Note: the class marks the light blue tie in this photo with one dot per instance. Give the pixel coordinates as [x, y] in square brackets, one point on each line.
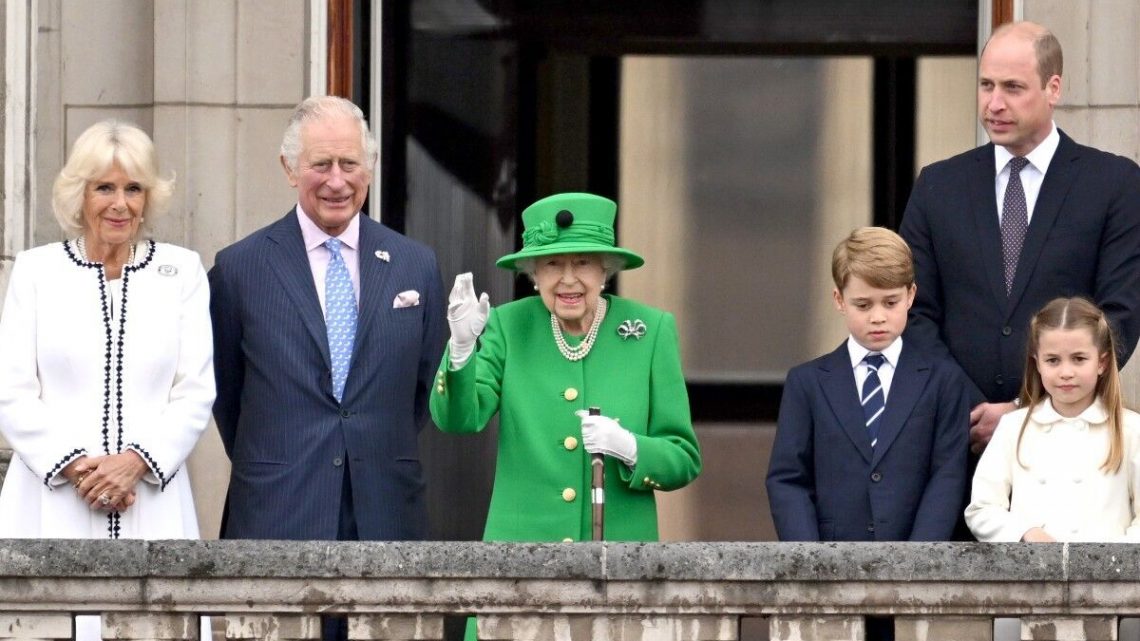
[340, 316]
[872, 397]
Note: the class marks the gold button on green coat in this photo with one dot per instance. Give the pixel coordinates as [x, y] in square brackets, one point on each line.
[519, 374]
[570, 443]
[570, 394]
[569, 494]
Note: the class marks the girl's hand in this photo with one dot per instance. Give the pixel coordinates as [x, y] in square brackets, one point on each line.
[1037, 535]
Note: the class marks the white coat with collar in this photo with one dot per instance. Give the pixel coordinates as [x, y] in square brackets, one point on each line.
[91, 367]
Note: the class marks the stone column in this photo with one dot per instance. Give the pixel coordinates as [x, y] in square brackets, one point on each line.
[607, 628]
[151, 626]
[35, 626]
[935, 628]
[272, 627]
[816, 628]
[1096, 628]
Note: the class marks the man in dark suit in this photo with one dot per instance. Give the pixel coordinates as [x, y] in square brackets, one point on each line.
[990, 250]
[328, 328]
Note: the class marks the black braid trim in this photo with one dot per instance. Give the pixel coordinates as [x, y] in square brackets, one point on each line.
[63, 462]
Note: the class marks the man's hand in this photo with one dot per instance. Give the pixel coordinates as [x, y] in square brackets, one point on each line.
[983, 421]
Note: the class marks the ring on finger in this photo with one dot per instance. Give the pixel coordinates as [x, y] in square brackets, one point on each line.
[104, 499]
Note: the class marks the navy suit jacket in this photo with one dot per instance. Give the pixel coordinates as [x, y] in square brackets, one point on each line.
[286, 435]
[1083, 240]
[825, 483]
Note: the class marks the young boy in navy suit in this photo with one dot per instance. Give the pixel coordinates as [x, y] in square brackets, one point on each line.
[871, 443]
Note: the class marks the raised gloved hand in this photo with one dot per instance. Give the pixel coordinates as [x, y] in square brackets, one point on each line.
[467, 317]
[603, 435]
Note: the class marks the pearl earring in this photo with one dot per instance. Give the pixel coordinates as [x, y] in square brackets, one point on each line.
[535, 287]
[603, 287]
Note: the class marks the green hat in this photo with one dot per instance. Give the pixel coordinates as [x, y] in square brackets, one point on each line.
[570, 224]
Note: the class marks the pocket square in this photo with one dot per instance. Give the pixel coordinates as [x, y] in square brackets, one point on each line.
[410, 298]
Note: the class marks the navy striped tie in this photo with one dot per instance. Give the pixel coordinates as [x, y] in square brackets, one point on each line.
[872, 397]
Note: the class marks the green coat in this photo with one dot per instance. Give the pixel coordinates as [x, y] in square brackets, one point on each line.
[542, 476]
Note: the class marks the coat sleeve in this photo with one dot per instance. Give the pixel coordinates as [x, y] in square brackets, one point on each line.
[791, 469]
[946, 487]
[924, 325]
[988, 514]
[465, 399]
[166, 440]
[229, 365]
[668, 456]
[1118, 266]
[432, 344]
[36, 432]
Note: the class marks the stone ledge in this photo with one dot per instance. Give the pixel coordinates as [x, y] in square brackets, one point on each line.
[721, 562]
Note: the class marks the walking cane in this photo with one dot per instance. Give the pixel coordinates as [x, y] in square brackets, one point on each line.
[597, 488]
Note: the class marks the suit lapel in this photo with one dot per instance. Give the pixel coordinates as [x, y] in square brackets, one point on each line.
[837, 378]
[374, 274]
[288, 260]
[983, 204]
[1059, 179]
[906, 387]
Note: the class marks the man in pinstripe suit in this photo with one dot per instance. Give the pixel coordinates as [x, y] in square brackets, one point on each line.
[321, 447]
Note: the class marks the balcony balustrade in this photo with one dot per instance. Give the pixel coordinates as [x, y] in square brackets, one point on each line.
[277, 590]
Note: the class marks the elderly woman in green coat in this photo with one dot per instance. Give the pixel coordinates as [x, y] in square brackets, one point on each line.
[542, 361]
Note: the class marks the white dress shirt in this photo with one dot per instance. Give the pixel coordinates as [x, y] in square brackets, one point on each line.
[862, 370]
[1032, 175]
[1058, 485]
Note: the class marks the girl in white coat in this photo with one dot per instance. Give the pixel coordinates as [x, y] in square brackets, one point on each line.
[1064, 466]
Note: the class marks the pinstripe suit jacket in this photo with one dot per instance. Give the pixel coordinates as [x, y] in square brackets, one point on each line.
[285, 434]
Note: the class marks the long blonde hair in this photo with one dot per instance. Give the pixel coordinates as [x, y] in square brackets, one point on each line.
[1077, 313]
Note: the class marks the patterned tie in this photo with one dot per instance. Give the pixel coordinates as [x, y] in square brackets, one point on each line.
[1014, 221]
[872, 397]
[340, 315]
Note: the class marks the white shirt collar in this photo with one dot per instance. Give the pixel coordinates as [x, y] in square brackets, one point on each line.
[315, 236]
[1044, 414]
[857, 352]
[1039, 158]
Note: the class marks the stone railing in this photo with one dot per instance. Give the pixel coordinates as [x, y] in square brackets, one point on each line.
[681, 591]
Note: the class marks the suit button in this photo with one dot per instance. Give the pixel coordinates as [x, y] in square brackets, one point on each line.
[345, 413]
[569, 494]
[337, 462]
[570, 394]
[1006, 331]
[871, 527]
[876, 476]
[567, 540]
[570, 443]
[999, 379]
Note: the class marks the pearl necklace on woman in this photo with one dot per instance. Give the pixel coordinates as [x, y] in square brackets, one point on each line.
[579, 351]
[81, 245]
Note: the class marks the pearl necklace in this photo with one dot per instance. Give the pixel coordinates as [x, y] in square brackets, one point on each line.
[578, 352]
[81, 245]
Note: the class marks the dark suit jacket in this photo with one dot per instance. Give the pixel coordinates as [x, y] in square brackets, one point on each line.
[1083, 239]
[825, 483]
[285, 433]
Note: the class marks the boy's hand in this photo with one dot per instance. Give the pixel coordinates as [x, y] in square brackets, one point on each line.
[983, 421]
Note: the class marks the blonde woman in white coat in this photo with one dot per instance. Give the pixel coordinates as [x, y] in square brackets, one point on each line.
[106, 375]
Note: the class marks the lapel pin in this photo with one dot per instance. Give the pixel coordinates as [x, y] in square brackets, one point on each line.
[167, 270]
[383, 255]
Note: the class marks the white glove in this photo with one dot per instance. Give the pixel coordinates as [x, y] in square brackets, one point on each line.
[467, 317]
[603, 435]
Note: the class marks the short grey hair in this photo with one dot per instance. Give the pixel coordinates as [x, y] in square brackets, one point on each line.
[316, 108]
[611, 264]
[102, 146]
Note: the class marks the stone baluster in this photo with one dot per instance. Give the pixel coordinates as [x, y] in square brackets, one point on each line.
[937, 628]
[608, 628]
[395, 627]
[816, 628]
[1061, 628]
[151, 626]
[35, 626]
[272, 627]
